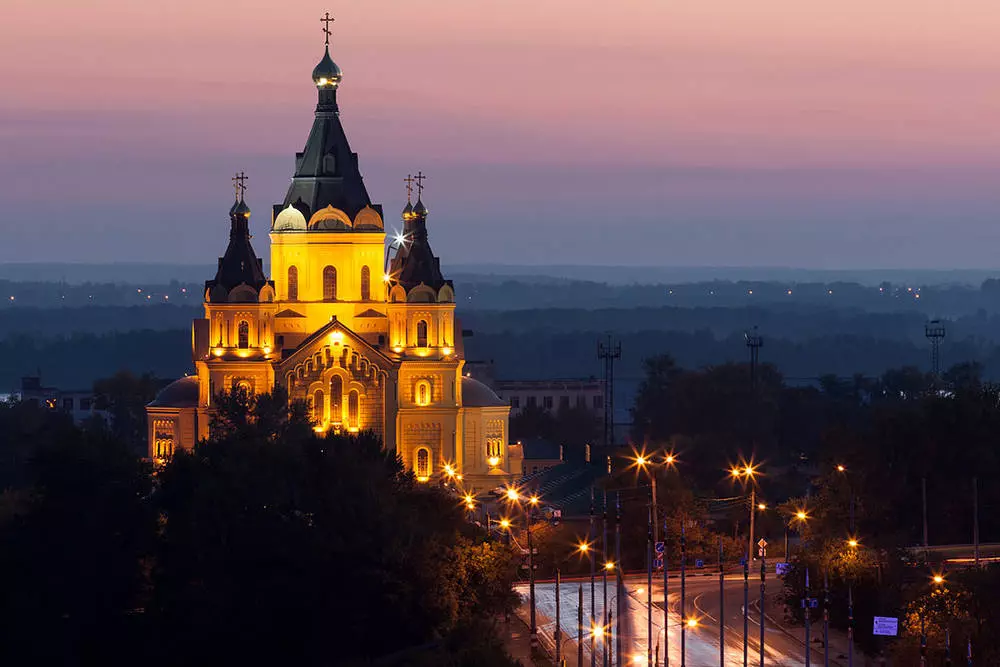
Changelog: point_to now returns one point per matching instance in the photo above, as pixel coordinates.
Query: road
(702, 643)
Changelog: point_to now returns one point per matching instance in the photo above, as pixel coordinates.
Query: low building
(78, 403)
(536, 455)
(552, 395)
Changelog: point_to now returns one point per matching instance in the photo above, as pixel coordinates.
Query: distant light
(446, 351)
(749, 291)
(829, 291)
(852, 543)
(184, 290)
(761, 506)
(165, 296)
(494, 461)
(422, 479)
(533, 500)
(789, 291)
(337, 337)
(692, 622)
(640, 591)
(841, 468)
(512, 494)
(598, 631)
(505, 523)
(938, 579)
(609, 565)
(12, 297)
(801, 516)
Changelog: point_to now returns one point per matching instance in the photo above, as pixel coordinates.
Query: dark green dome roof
(327, 73)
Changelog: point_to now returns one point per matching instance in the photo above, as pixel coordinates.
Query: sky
(849, 134)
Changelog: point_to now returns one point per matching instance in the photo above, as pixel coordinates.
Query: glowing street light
(762, 506)
(505, 523)
(449, 470)
(692, 623)
(533, 500)
(609, 565)
(853, 543)
(801, 515)
(841, 468)
(938, 579)
(512, 494)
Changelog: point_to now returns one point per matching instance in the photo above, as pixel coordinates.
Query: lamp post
(853, 542)
(514, 498)
(936, 580)
(581, 549)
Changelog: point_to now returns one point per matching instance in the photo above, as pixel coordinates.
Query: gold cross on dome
(419, 178)
(409, 187)
(326, 21)
(240, 185)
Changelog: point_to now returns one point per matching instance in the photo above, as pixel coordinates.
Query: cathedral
(363, 332)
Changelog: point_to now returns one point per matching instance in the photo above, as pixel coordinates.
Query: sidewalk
(837, 638)
(516, 640)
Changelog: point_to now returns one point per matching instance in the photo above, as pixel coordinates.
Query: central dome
(327, 74)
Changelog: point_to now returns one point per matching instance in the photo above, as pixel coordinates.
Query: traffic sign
(885, 626)
(743, 561)
(699, 563)
(782, 568)
(762, 543)
(658, 563)
(658, 547)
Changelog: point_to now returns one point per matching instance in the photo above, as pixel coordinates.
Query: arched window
(336, 399)
(422, 463)
(366, 283)
(353, 409)
(318, 405)
(423, 396)
(293, 283)
(329, 284)
(243, 332)
(422, 333)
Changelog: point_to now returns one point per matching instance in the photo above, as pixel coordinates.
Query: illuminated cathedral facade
(364, 333)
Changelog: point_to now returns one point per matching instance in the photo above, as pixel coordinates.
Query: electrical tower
(609, 352)
(934, 331)
(754, 343)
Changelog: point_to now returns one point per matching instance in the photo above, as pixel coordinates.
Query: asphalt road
(701, 643)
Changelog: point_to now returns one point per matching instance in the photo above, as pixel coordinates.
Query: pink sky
(639, 131)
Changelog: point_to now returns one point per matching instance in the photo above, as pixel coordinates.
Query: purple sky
(640, 132)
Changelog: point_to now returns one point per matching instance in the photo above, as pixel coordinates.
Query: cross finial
(409, 188)
(419, 178)
(240, 185)
(326, 21)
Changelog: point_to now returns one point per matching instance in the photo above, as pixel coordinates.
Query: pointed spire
(240, 264)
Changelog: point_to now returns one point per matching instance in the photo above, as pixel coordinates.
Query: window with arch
(293, 283)
(422, 393)
(243, 334)
(353, 409)
(336, 398)
(422, 462)
(244, 386)
(422, 333)
(366, 283)
(318, 405)
(329, 284)
(164, 448)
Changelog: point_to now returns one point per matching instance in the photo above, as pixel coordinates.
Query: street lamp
(581, 550)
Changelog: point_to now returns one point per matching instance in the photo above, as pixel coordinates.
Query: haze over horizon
(706, 134)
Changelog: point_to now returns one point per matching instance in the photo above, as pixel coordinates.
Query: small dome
(290, 218)
(181, 393)
(475, 394)
(232, 209)
(408, 211)
(240, 208)
(420, 210)
(327, 74)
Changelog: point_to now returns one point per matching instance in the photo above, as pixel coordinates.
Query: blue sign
(782, 568)
(814, 603)
(743, 561)
(658, 563)
(699, 563)
(658, 547)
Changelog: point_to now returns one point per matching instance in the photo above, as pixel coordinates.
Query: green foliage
(124, 397)
(265, 544)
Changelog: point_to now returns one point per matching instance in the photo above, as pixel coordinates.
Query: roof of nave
(475, 394)
(181, 393)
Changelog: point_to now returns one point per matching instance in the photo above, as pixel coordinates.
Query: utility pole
(754, 343)
(618, 576)
(604, 575)
(975, 517)
(722, 606)
(558, 633)
(683, 592)
(923, 496)
(746, 609)
(579, 629)
(753, 514)
(763, 576)
(609, 352)
(649, 587)
(666, 600)
(934, 332)
(593, 587)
